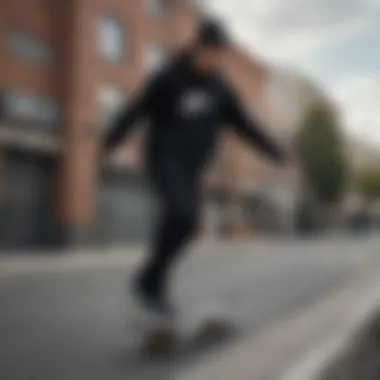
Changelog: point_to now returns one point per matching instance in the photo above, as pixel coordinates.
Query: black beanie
(212, 33)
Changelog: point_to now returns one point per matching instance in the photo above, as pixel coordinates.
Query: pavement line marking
(312, 363)
(309, 367)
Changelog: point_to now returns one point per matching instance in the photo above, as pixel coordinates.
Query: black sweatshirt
(185, 111)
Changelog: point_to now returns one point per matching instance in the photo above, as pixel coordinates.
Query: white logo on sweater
(194, 103)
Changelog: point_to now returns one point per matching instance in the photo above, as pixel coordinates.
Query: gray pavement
(72, 324)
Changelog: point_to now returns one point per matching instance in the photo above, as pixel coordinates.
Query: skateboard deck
(158, 341)
(191, 331)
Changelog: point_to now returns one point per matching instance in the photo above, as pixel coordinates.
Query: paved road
(72, 325)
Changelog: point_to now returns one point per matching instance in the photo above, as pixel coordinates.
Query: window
(30, 108)
(156, 8)
(111, 99)
(29, 47)
(111, 39)
(155, 57)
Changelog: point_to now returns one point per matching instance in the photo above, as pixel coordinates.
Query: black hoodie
(185, 110)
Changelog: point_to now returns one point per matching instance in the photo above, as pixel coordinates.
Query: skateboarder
(185, 105)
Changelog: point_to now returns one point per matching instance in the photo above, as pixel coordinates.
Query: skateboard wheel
(161, 342)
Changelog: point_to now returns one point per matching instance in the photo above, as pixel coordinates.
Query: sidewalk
(92, 258)
(68, 260)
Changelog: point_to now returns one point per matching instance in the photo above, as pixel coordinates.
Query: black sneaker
(152, 303)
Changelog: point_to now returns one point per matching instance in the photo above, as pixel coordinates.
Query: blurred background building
(66, 67)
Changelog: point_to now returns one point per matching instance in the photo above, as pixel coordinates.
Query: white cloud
(288, 30)
(359, 99)
(283, 29)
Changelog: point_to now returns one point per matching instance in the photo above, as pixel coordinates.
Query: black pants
(177, 187)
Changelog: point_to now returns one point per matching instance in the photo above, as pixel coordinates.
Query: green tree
(321, 150)
(369, 182)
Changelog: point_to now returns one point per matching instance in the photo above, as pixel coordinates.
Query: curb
(314, 364)
(325, 325)
(71, 261)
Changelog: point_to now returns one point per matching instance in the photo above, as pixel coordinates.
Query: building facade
(65, 69)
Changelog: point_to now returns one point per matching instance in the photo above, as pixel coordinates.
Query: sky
(335, 42)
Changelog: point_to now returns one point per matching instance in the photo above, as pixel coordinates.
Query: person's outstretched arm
(250, 130)
(125, 121)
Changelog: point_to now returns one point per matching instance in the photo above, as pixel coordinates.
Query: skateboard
(191, 331)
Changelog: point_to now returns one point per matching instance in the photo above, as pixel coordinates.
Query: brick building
(65, 68)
